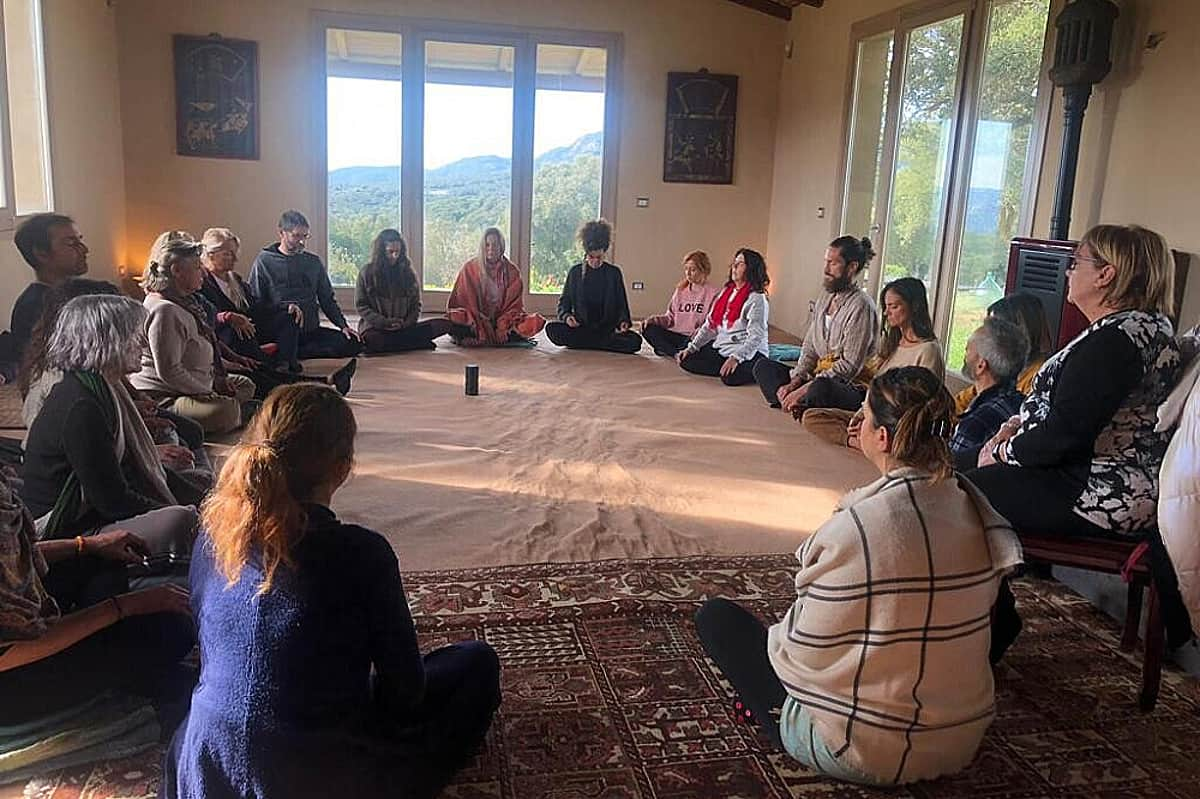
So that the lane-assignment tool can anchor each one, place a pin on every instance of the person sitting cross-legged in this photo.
(57, 653)
(387, 296)
(690, 304)
(593, 311)
(286, 278)
(907, 339)
(840, 339)
(312, 681)
(182, 368)
(734, 336)
(90, 462)
(487, 303)
(996, 354)
(879, 671)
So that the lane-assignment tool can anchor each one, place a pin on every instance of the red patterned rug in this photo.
(607, 695)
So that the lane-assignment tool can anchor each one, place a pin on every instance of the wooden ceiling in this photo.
(778, 8)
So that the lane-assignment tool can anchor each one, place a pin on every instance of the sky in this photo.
(460, 121)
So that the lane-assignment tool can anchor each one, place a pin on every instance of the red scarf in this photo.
(728, 306)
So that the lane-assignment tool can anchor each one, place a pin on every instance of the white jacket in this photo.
(1179, 482)
(744, 338)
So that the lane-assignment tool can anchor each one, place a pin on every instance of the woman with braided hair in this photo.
(879, 674)
(313, 683)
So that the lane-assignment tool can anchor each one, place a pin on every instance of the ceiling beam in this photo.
(767, 7)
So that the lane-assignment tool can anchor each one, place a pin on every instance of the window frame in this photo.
(901, 22)
(415, 33)
(9, 218)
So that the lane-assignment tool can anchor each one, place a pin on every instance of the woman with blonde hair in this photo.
(1083, 456)
(342, 702)
(182, 367)
(487, 304)
(906, 695)
(670, 332)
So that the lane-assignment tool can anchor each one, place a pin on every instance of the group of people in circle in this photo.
(313, 681)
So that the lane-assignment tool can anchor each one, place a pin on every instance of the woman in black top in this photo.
(1083, 456)
(593, 310)
(90, 462)
(242, 323)
(342, 702)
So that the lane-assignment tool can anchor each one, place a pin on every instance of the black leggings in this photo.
(666, 343)
(1038, 501)
(138, 655)
(587, 338)
(325, 342)
(826, 392)
(417, 337)
(737, 642)
(707, 361)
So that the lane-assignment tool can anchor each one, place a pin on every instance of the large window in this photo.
(443, 130)
(25, 178)
(945, 110)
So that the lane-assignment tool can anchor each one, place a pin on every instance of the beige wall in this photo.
(85, 138)
(165, 190)
(808, 152)
(1138, 160)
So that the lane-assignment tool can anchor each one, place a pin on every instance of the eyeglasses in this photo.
(1075, 259)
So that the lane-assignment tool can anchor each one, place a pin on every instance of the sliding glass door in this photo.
(443, 130)
(945, 109)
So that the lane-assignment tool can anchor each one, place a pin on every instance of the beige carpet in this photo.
(576, 456)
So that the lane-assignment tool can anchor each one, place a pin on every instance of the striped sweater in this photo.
(886, 646)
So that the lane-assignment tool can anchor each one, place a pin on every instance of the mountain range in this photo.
(475, 168)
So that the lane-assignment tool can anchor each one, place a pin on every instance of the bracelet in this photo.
(79, 546)
(997, 451)
(117, 607)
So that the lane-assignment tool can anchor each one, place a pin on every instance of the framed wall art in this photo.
(216, 97)
(701, 120)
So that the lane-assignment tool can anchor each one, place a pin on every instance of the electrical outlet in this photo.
(643, 202)
(638, 285)
(820, 212)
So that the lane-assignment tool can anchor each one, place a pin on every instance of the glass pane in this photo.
(568, 139)
(1008, 101)
(468, 152)
(363, 137)
(873, 66)
(30, 132)
(922, 169)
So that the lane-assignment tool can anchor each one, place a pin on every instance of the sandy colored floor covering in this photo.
(574, 456)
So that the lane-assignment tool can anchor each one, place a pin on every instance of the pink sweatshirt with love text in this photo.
(688, 308)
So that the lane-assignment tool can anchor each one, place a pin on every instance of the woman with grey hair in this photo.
(182, 367)
(90, 463)
(258, 340)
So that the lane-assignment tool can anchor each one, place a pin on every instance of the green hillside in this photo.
(461, 200)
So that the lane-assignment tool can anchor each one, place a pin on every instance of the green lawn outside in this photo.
(970, 309)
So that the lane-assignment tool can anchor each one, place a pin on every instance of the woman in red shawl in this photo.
(488, 298)
(734, 337)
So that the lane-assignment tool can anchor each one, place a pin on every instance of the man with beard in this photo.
(53, 246)
(839, 340)
(288, 278)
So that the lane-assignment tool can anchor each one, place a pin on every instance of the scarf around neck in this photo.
(728, 307)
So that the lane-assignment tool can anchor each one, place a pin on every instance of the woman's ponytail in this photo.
(300, 440)
(918, 413)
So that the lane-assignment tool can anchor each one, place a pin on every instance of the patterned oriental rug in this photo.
(607, 695)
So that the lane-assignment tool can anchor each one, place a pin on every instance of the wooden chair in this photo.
(1130, 560)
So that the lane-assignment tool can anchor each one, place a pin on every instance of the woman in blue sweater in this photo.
(312, 682)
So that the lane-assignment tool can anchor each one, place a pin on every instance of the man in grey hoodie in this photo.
(285, 276)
